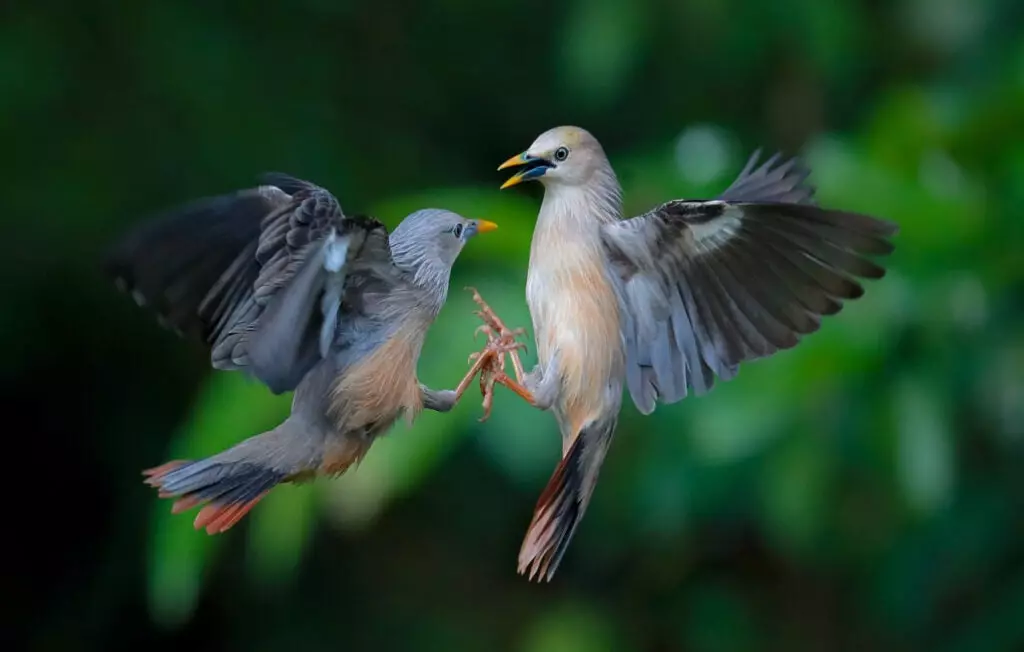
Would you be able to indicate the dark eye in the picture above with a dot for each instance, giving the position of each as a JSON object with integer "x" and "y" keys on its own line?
{"x": 458, "y": 230}
{"x": 561, "y": 153}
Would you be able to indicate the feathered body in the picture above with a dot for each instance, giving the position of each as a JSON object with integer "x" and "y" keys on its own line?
{"x": 575, "y": 313}
{"x": 285, "y": 287}
{"x": 573, "y": 304}
{"x": 663, "y": 302}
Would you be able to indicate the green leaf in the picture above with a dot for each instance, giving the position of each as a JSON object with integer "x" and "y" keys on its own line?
{"x": 573, "y": 627}
{"x": 602, "y": 44}
{"x": 925, "y": 445}
{"x": 229, "y": 409}
{"x": 279, "y": 532}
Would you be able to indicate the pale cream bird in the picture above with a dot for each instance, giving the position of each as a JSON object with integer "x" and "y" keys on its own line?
{"x": 663, "y": 302}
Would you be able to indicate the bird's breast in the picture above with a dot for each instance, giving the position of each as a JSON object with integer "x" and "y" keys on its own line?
{"x": 575, "y": 312}
{"x": 376, "y": 390}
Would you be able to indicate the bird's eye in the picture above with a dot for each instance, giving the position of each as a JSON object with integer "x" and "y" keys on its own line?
{"x": 561, "y": 153}
{"x": 458, "y": 230}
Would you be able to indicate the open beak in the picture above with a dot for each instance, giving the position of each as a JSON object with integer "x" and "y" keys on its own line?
{"x": 483, "y": 226}
{"x": 535, "y": 167}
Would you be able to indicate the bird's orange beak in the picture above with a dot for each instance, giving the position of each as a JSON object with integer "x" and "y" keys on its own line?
{"x": 535, "y": 167}
{"x": 483, "y": 226}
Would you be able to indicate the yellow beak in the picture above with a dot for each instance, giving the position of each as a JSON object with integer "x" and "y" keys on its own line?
{"x": 518, "y": 159}
{"x": 536, "y": 167}
{"x": 483, "y": 226}
{"x": 514, "y": 180}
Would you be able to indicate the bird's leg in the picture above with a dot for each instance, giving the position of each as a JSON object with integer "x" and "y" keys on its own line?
{"x": 502, "y": 340}
{"x": 482, "y": 358}
{"x": 487, "y": 389}
{"x": 486, "y": 363}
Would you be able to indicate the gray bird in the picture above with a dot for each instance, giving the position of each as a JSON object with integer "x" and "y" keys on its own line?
{"x": 662, "y": 303}
{"x": 285, "y": 287}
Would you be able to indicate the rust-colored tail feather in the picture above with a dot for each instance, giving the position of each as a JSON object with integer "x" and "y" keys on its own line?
{"x": 556, "y": 517}
{"x": 227, "y": 489}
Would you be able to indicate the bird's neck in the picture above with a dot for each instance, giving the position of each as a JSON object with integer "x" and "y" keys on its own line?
{"x": 427, "y": 277}
{"x": 583, "y": 207}
{"x": 431, "y": 279}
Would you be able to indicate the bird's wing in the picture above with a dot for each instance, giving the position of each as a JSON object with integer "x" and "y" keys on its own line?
{"x": 706, "y": 285}
{"x": 258, "y": 274}
{"x": 771, "y": 182}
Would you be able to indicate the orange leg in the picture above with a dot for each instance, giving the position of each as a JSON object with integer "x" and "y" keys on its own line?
{"x": 482, "y": 359}
{"x": 501, "y": 340}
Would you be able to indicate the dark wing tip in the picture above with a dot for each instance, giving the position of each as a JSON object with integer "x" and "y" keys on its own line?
{"x": 170, "y": 261}
{"x": 287, "y": 182}
{"x": 775, "y": 180}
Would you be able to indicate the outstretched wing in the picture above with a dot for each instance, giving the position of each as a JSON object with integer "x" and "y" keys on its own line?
{"x": 257, "y": 274}
{"x": 706, "y": 285}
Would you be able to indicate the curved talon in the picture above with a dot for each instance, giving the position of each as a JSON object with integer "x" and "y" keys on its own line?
{"x": 514, "y": 346}
{"x": 485, "y": 329}
{"x": 503, "y": 346}
{"x": 487, "y": 389}
{"x": 490, "y": 362}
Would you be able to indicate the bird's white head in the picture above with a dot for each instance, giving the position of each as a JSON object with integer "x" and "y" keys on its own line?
{"x": 560, "y": 156}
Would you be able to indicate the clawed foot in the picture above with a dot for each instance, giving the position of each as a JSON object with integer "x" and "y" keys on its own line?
{"x": 490, "y": 362}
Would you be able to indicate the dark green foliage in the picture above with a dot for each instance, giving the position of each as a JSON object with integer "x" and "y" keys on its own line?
{"x": 862, "y": 491}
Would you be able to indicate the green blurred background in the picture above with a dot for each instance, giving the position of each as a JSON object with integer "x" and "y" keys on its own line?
{"x": 863, "y": 491}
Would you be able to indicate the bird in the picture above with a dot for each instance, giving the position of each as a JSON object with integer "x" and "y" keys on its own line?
{"x": 286, "y": 288}
{"x": 663, "y": 303}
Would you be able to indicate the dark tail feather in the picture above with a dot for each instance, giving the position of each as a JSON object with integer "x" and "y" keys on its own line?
{"x": 562, "y": 504}
{"x": 227, "y": 489}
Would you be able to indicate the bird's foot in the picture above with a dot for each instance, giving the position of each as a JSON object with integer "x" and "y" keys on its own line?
{"x": 490, "y": 362}
{"x": 492, "y": 321}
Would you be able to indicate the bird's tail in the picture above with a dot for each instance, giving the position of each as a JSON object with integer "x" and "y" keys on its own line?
{"x": 563, "y": 502}
{"x": 227, "y": 485}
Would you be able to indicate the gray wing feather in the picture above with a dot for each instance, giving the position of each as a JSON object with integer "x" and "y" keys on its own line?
{"x": 258, "y": 274}
{"x": 770, "y": 182}
{"x": 707, "y": 285}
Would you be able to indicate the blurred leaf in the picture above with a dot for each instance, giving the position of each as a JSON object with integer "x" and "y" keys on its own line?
{"x": 178, "y": 559}
{"x": 717, "y": 620}
{"x": 794, "y": 490}
{"x": 735, "y": 422}
{"x": 396, "y": 464}
{"x": 602, "y": 44}
{"x": 925, "y": 445}
{"x": 279, "y": 532}
{"x": 30, "y": 71}
{"x": 572, "y": 627}
{"x": 514, "y": 214}
{"x": 228, "y": 409}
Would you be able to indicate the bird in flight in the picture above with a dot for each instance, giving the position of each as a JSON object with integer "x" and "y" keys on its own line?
{"x": 661, "y": 303}
{"x": 284, "y": 286}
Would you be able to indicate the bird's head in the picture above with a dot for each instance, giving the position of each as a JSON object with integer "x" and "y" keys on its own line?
{"x": 435, "y": 235}
{"x": 427, "y": 243}
{"x": 562, "y": 155}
